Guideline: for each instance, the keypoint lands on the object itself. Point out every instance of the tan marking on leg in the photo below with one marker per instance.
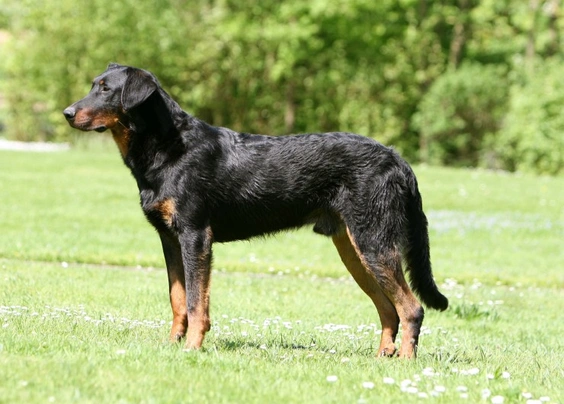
(409, 309)
(351, 257)
(198, 325)
(176, 284)
(178, 304)
(411, 317)
(199, 318)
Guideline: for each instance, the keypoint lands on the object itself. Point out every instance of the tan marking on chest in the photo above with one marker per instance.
(167, 209)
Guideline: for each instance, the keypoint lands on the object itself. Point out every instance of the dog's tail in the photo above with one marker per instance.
(417, 253)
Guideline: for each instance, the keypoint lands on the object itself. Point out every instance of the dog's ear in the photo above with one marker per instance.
(138, 86)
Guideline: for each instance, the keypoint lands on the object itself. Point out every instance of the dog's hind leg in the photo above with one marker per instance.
(351, 257)
(384, 282)
(387, 268)
(176, 284)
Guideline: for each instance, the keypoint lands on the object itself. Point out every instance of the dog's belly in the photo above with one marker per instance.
(242, 225)
(235, 227)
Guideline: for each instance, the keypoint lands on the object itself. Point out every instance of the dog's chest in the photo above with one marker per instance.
(160, 211)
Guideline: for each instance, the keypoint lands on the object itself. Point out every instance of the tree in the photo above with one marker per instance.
(461, 114)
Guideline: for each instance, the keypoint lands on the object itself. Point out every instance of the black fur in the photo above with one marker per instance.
(227, 186)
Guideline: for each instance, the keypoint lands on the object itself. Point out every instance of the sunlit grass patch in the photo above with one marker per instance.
(443, 221)
(272, 336)
(473, 311)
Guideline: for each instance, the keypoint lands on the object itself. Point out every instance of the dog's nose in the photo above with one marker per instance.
(69, 113)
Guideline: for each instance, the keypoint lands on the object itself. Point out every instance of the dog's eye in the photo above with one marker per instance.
(105, 89)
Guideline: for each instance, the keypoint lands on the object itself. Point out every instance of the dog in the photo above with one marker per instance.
(200, 184)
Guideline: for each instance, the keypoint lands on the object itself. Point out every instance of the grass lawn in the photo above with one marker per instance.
(84, 313)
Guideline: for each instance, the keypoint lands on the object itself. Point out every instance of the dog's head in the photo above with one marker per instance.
(114, 93)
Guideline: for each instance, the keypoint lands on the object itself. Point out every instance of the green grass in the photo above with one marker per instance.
(84, 311)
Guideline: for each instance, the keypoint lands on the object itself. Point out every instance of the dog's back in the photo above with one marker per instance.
(263, 184)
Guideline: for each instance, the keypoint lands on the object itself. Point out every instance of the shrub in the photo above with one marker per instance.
(532, 137)
(461, 113)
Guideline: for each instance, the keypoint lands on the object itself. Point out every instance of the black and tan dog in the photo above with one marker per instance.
(199, 184)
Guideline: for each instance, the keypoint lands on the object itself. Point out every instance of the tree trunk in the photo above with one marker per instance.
(460, 35)
(552, 9)
(530, 49)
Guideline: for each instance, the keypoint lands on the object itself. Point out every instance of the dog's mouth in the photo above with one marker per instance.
(87, 126)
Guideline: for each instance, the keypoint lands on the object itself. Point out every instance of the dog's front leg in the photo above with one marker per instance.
(176, 285)
(196, 257)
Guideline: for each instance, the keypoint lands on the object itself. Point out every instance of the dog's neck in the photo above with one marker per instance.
(152, 129)
(122, 136)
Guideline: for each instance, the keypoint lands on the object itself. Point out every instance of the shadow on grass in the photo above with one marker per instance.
(277, 345)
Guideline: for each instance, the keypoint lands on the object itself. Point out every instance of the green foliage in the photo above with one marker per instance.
(532, 136)
(277, 68)
(461, 113)
(378, 68)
